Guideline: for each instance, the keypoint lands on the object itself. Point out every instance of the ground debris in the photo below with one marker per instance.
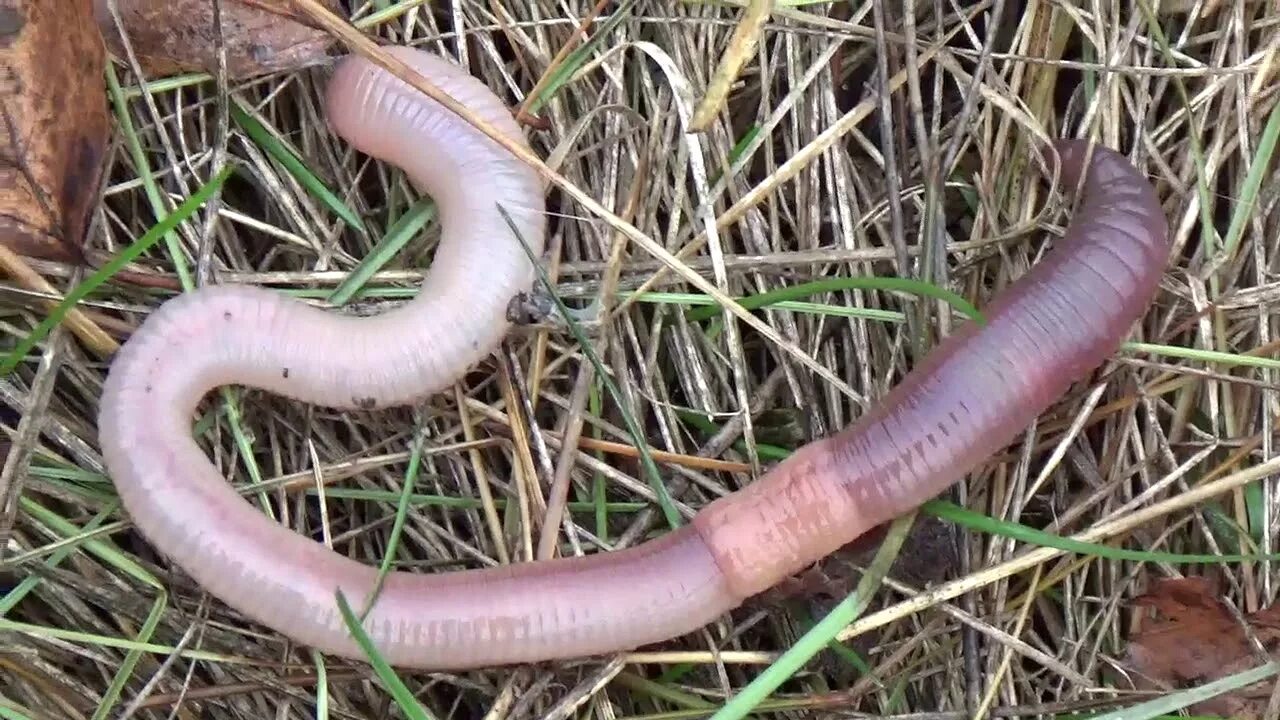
(1196, 638)
(176, 36)
(54, 126)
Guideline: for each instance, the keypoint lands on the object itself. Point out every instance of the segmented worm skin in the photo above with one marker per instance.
(970, 397)
(233, 334)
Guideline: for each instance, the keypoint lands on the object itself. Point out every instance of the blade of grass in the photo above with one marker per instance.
(394, 685)
(1247, 198)
(102, 549)
(92, 640)
(598, 483)
(808, 289)
(1209, 356)
(82, 290)
(1176, 701)
(11, 712)
(292, 164)
(397, 526)
(576, 57)
(633, 428)
(401, 232)
(143, 168)
(765, 451)
(660, 691)
(698, 299)
(985, 523)
(777, 298)
(822, 633)
(735, 152)
(131, 658)
(322, 686)
(29, 583)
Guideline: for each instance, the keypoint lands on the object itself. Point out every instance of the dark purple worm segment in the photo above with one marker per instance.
(971, 396)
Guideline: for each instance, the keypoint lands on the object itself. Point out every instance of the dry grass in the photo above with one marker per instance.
(865, 198)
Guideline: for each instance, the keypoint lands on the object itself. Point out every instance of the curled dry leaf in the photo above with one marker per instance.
(54, 125)
(175, 36)
(1196, 639)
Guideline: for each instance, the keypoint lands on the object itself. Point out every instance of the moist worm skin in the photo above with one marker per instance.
(968, 398)
(255, 337)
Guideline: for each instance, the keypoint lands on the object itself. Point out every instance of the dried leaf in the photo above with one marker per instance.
(176, 36)
(54, 125)
(1195, 639)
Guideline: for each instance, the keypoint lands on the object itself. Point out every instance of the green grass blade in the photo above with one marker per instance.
(576, 57)
(154, 196)
(985, 523)
(82, 290)
(1208, 356)
(633, 428)
(821, 634)
(100, 548)
(808, 289)
(293, 165)
(399, 692)
(1176, 701)
(9, 712)
(131, 658)
(402, 231)
(15, 595)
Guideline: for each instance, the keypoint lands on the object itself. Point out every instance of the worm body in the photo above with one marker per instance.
(234, 334)
(970, 397)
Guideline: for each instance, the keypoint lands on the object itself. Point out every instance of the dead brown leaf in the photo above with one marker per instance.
(176, 36)
(54, 125)
(1195, 638)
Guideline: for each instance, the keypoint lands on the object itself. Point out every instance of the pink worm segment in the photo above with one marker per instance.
(970, 397)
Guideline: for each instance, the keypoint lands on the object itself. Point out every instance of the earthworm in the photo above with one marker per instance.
(969, 397)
